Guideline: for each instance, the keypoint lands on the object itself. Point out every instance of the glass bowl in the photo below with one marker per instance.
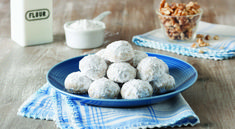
(179, 28)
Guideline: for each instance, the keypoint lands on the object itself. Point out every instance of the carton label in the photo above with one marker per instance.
(38, 14)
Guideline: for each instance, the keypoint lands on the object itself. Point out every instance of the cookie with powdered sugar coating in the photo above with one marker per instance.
(101, 53)
(104, 88)
(93, 66)
(119, 51)
(121, 72)
(150, 68)
(135, 89)
(138, 56)
(78, 83)
(163, 84)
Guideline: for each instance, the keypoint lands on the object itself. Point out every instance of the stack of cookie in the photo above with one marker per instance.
(118, 69)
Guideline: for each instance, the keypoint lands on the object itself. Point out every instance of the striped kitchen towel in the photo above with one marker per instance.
(69, 113)
(224, 48)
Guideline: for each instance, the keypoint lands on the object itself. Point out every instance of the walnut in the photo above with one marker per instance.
(203, 44)
(189, 5)
(196, 6)
(162, 4)
(166, 5)
(189, 33)
(179, 28)
(216, 37)
(173, 6)
(207, 37)
(194, 45)
(182, 36)
(184, 13)
(176, 12)
(200, 36)
(165, 11)
(182, 20)
(179, 9)
(181, 6)
(200, 40)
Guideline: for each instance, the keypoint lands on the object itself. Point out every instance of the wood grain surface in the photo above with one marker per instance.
(23, 70)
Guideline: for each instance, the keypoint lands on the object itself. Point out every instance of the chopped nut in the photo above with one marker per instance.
(162, 3)
(173, 6)
(207, 37)
(203, 44)
(200, 51)
(194, 45)
(166, 5)
(189, 33)
(200, 36)
(216, 37)
(181, 9)
(181, 6)
(179, 28)
(200, 40)
(182, 20)
(182, 36)
(189, 5)
(165, 11)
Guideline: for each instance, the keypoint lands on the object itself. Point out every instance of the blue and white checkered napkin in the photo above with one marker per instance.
(224, 48)
(69, 113)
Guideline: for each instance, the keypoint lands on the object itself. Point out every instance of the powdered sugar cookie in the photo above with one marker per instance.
(135, 89)
(121, 72)
(77, 82)
(150, 68)
(93, 66)
(104, 88)
(163, 84)
(119, 51)
(101, 53)
(138, 56)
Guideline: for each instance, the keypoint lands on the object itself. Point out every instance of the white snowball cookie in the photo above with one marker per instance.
(150, 68)
(135, 89)
(77, 82)
(121, 72)
(104, 88)
(138, 56)
(101, 53)
(119, 51)
(165, 66)
(163, 84)
(93, 66)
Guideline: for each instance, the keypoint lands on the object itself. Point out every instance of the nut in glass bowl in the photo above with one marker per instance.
(179, 22)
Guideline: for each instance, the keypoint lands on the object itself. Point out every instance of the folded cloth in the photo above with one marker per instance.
(224, 48)
(69, 113)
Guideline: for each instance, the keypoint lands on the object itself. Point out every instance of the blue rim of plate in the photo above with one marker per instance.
(160, 97)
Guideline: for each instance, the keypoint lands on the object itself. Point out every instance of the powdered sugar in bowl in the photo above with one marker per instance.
(84, 34)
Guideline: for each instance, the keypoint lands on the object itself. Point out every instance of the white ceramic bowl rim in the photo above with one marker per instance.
(66, 26)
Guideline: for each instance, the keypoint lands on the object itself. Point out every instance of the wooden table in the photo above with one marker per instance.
(23, 70)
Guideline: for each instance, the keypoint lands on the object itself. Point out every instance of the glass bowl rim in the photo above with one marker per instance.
(198, 14)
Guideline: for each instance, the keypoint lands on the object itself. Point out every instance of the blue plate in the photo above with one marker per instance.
(185, 75)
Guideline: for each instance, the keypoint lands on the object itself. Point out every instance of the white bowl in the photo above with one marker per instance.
(84, 39)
